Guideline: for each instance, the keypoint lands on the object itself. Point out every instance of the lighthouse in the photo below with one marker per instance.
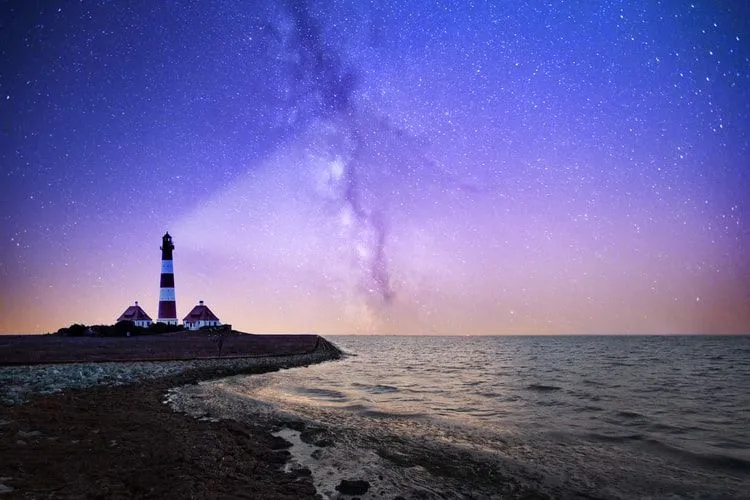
(167, 304)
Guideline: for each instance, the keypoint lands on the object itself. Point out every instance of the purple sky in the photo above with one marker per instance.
(389, 167)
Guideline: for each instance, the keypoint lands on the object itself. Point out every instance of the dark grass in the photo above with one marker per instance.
(41, 349)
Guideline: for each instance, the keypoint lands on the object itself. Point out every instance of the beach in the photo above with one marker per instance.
(123, 442)
(394, 417)
(119, 439)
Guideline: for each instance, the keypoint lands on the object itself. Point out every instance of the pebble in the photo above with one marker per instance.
(29, 434)
(356, 487)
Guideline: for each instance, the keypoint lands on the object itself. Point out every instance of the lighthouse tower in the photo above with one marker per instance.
(167, 304)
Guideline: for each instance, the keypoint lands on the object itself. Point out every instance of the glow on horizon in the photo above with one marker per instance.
(496, 169)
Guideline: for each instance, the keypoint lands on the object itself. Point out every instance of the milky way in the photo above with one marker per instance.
(335, 85)
(449, 168)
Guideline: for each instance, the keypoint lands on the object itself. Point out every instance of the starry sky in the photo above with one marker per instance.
(427, 167)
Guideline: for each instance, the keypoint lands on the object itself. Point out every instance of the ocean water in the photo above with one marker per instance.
(505, 417)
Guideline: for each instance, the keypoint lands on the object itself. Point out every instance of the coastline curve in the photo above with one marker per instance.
(20, 382)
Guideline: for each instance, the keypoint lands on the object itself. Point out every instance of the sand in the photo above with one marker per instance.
(125, 442)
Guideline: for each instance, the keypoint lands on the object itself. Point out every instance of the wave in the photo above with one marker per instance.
(502, 397)
(325, 394)
(589, 408)
(390, 415)
(543, 388)
(620, 363)
(550, 403)
(595, 383)
(381, 389)
(629, 414)
(658, 427)
(376, 389)
(713, 460)
(609, 438)
(371, 412)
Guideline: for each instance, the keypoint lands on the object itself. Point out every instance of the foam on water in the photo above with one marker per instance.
(481, 417)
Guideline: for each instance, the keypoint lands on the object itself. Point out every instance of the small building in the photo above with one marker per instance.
(199, 317)
(136, 315)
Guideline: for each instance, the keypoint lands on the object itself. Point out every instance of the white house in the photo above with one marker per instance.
(136, 315)
(199, 317)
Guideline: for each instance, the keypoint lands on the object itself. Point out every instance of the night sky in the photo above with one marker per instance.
(506, 167)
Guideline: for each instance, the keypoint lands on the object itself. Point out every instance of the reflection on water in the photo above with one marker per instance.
(604, 416)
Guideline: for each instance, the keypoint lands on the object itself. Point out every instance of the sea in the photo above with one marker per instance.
(610, 417)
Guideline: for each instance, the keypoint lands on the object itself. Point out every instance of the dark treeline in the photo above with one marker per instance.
(121, 329)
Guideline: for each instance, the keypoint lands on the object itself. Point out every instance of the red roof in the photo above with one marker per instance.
(200, 313)
(134, 313)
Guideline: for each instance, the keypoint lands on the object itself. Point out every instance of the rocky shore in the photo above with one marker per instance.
(19, 382)
(89, 430)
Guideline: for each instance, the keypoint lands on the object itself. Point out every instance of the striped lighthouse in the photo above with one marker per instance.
(167, 304)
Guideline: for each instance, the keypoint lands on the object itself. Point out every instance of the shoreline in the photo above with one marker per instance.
(120, 440)
(382, 465)
(18, 382)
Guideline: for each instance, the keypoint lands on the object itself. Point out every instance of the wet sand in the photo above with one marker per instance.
(123, 442)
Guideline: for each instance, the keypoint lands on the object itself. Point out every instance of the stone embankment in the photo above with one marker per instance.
(18, 383)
